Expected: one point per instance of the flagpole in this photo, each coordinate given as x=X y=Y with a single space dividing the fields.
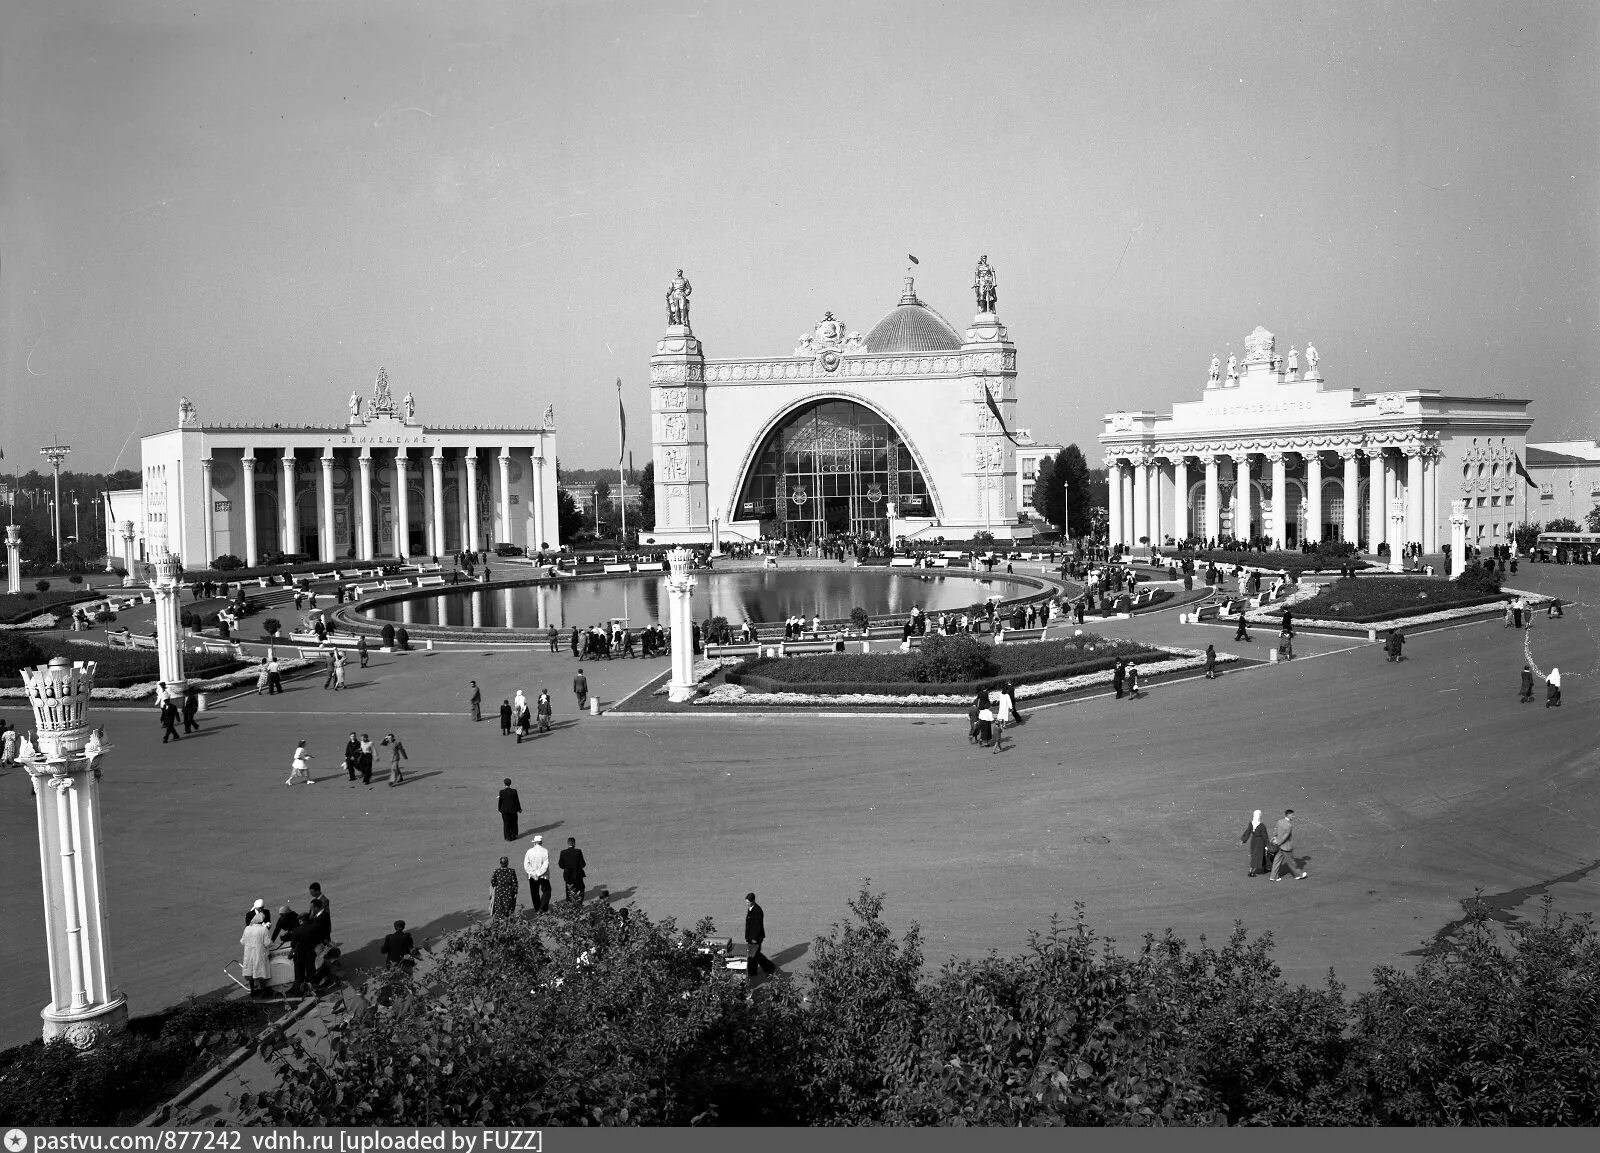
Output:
x=622 y=478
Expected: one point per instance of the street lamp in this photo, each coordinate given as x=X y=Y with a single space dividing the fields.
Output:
x=55 y=454
x=76 y=532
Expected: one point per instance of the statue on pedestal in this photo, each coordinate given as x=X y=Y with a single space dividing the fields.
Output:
x=983 y=286
x=186 y=411
x=1233 y=367
x=678 y=300
x=355 y=406
x=1294 y=361
x=411 y=406
x=1216 y=370
x=1312 y=360
x=382 y=398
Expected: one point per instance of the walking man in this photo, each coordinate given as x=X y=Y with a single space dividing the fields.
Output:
x=475 y=702
x=327 y=681
x=572 y=866
x=510 y=805
x=361 y=650
x=1242 y=633
x=536 y=863
x=1283 y=843
x=191 y=706
x=397 y=753
x=169 y=720
x=545 y=710
x=505 y=718
x=1526 y=693
x=554 y=638
x=755 y=931
x=274 y=676
x=1211 y=662
x=1117 y=675
x=580 y=689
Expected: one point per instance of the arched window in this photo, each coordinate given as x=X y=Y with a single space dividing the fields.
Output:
x=832 y=467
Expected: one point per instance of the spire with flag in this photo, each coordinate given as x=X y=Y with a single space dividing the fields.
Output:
x=1523 y=472
x=622 y=427
x=995 y=409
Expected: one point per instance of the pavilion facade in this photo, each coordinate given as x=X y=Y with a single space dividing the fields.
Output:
x=1271 y=451
x=381 y=485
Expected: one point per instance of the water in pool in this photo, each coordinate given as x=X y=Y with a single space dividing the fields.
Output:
x=765 y=595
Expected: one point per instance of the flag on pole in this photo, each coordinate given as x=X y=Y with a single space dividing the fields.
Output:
x=622 y=427
x=912 y=259
x=998 y=419
x=1522 y=472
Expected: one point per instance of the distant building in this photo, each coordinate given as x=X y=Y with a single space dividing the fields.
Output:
x=582 y=492
x=1568 y=475
x=1030 y=454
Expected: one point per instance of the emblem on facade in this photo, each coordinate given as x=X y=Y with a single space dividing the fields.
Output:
x=382 y=398
x=677 y=464
x=1258 y=345
x=799 y=495
x=550 y=416
x=1122 y=422
x=186 y=412
x=674 y=397
x=828 y=341
x=1390 y=404
x=674 y=427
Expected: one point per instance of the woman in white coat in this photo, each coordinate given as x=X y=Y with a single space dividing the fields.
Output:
x=255 y=964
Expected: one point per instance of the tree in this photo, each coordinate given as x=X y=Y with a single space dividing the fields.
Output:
x=1562 y=524
x=1076 y=484
x=569 y=517
x=1594 y=519
x=1048 y=494
x=601 y=512
x=1525 y=536
x=647 y=497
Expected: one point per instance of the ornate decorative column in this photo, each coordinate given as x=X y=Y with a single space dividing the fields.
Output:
x=1280 y=504
x=1241 y=496
x=1458 y=538
x=1377 y=496
x=1114 y=496
x=169 y=628
x=1414 y=506
x=1430 y=500
x=680 y=587
x=325 y=491
x=1352 y=494
x=208 y=509
x=291 y=518
x=127 y=552
x=1313 y=461
x=402 y=503
x=474 y=532
x=13 y=559
x=544 y=532
x=437 y=463
x=365 y=463
x=506 y=533
x=1397 y=529
x=1180 y=497
x=251 y=556
x=84 y=1003
x=678 y=436
x=1141 y=499
x=1213 y=526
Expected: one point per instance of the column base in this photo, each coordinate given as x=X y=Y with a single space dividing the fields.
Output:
x=85 y=1027
x=677 y=694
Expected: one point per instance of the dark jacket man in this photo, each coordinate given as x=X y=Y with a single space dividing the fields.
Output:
x=755 y=931
x=572 y=866
x=397 y=946
x=510 y=805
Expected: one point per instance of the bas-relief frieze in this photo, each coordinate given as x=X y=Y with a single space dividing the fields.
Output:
x=1422 y=442
x=751 y=371
x=674 y=426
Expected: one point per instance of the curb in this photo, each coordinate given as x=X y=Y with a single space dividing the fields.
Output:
x=210 y=1077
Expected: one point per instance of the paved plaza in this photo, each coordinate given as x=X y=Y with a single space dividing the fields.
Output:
x=1415 y=785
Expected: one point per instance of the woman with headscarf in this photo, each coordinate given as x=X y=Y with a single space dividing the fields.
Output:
x=255 y=965
x=1552 y=688
x=1255 y=836
x=504 y=883
x=975 y=723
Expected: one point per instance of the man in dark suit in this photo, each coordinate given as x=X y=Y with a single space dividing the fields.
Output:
x=755 y=931
x=510 y=806
x=397 y=946
x=572 y=866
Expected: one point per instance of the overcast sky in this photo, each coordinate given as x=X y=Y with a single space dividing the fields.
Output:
x=258 y=205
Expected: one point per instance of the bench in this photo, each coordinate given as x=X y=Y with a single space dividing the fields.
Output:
x=350 y=574
x=806 y=648
x=651 y=566
x=396 y=584
x=430 y=568
x=1013 y=636
x=140 y=642
x=903 y=562
x=433 y=580
x=713 y=652
x=618 y=568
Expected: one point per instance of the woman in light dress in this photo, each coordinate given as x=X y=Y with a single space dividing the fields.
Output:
x=256 y=964
x=299 y=770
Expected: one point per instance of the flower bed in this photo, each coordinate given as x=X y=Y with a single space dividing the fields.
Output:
x=1293 y=563
x=26 y=605
x=1364 y=601
x=116 y=668
x=896 y=674
x=945 y=696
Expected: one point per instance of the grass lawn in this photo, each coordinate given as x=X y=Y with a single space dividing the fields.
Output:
x=115 y=668
x=1384 y=598
x=1294 y=562
x=15 y=607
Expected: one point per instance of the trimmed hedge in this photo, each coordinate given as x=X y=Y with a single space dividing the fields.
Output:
x=1371 y=600
x=116 y=668
x=896 y=673
x=282 y=570
x=18 y=607
x=1294 y=562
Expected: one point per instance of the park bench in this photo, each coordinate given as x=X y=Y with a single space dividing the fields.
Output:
x=618 y=568
x=1207 y=613
x=350 y=574
x=714 y=652
x=805 y=648
x=432 y=580
x=396 y=584
x=430 y=567
x=1016 y=636
x=141 y=642
x=651 y=566
x=903 y=562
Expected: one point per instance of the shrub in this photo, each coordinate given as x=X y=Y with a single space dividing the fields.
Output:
x=387 y=635
x=17 y=651
x=859 y=618
x=75 y=578
x=227 y=562
x=1479 y=579
x=272 y=626
x=944 y=659
x=42 y=586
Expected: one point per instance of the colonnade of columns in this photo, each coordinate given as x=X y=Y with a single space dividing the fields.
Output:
x=1151 y=495
x=446 y=525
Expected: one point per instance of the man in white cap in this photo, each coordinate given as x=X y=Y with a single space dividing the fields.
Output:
x=250 y=914
x=536 y=863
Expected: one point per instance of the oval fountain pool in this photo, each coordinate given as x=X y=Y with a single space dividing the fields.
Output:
x=762 y=596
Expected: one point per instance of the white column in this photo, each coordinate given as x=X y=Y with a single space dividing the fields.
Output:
x=506 y=533
x=325 y=491
x=1213 y=525
x=1414 y=482
x=1241 y=496
x=680 y=587
x=1114 y=495
x=474 y=534
x=291 y=522
x=1141 y=499
x=1377 y=498
x=208 y=510
x=1180 y=497
x=365 y=462
x=1313 y=461
x=402 y=503
x=251 y=556
x=1280 y=491
x=1430 y=502
x=1458 y=538
x=544 y=532
x=437 y=463
x=1352 y=494
x=14 y=559
x=168 y=620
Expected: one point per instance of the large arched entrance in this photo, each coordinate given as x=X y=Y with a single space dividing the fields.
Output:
x=830 y=468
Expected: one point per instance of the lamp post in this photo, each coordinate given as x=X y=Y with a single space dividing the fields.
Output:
x=55 y=454
x=76 y=532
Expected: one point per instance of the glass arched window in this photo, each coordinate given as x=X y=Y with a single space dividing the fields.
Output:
x=831 y=468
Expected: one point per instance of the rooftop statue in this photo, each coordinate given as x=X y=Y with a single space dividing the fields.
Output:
x=410 y=403
x=355 y=406
x=382 y=398
x=678 y=300
x=983 y=286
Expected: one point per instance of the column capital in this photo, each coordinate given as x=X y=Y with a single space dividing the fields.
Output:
x=438 y=453
x=327 y=460
x=1412 y=450
x=365 y=458
x=249 y=463
x=504 y=457
x=1274 y=457
x=472 y=462
x=1348 y=452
